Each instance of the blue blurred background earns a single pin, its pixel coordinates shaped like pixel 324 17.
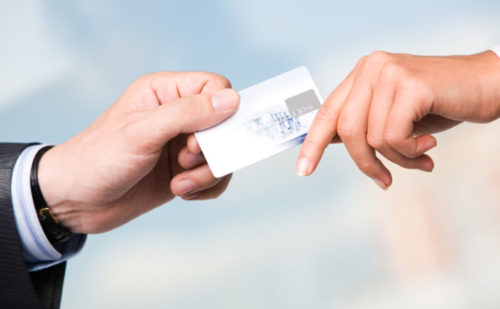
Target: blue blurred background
pixel 273 240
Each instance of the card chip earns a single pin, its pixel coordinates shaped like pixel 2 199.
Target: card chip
pixel 303 103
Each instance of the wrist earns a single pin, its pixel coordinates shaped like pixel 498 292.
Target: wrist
pixel 52 179
pixel 488 76
pixel 496 81
pixel 56 233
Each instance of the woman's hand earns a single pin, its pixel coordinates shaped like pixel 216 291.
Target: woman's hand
pixel 391 104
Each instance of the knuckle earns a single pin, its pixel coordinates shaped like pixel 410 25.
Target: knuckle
pixel 218 80
pixel 392 138
pixel 412 84
pixel 325 113
pixel 362 61
pixel 366 166
pixel 347 129
pixel 392 71
pixel 379 57
pixel 374 141
pixel 312 144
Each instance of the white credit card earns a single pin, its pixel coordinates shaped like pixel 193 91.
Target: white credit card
pixel 273 116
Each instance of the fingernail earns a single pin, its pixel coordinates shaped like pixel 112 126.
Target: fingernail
pixel 381 184
pixel 186 186
pixel 428 165
pixel 192 196
pixel 302 166
pixel 193 159
pixel 225 99
pixel 428 144
pixel 431 143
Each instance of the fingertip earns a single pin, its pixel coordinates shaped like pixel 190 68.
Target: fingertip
pixel 188 160
pixel 191 197
pixel 303 166
pixel 381 184
pixel 192 144
pixel 183 187
pixel 425 143
pixel 213 190
pixel 225 100
pixel 307 162
pixel 427 164
pixel 384 181
pixel 309 156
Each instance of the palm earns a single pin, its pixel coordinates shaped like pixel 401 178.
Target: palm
pixel 155 185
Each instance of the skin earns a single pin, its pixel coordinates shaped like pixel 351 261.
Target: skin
pixel 134 157
pixel 392 104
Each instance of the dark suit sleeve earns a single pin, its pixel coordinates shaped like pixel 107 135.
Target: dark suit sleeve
pixel 18 288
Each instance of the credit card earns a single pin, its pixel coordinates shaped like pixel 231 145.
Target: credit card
pixel 273 116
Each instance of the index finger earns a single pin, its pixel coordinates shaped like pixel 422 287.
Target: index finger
pixel 323 129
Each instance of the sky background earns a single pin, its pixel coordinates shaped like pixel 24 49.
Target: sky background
pixel 273 240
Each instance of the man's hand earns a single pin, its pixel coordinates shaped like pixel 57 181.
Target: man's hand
pixel 392 103
pixel 134 157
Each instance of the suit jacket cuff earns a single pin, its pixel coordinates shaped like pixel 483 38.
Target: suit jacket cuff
pixel 37 250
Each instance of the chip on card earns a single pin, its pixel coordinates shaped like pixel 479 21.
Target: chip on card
pixel 273 116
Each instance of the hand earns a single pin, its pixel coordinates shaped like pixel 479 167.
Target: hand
pixel 392 103
pixel 134 157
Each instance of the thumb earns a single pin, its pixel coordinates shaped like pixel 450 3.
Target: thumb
pixel 188 114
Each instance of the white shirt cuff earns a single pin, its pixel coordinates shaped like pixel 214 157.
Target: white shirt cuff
pixel 496 50
pixel 36 246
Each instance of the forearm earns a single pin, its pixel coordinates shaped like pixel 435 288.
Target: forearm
pixel 391 104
